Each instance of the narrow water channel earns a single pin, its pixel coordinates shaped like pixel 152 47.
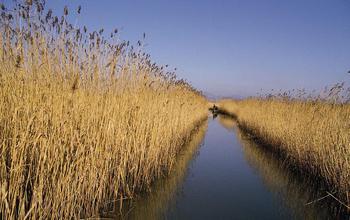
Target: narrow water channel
pixel 222 174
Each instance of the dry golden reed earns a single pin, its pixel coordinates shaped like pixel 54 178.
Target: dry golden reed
pixel 299 193
pixel 84 118
pixel 312 134
pixel 156 204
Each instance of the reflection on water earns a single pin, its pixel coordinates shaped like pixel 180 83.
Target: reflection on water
pixel 295 191
pixel 155 203
pixel 230 177
pixel 221 184
pixel 227 122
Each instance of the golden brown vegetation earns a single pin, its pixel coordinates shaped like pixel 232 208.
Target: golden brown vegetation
pixel 312 134
pixel 295 191
pixel 155 205
pixel 84 119
pixel 299 193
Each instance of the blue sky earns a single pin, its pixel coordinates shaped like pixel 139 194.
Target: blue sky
pixel 234 48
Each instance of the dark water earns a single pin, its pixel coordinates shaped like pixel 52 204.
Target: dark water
pixel 223 175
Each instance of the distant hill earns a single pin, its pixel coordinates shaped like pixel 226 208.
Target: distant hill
pixel 212 96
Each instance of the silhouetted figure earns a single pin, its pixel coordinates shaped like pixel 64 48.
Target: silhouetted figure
pixel 214 110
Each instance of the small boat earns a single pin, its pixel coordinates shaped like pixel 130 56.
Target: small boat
pixel 214 109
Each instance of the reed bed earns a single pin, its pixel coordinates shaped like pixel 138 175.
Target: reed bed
pixel 299 193
pixel 293 190
pixel 312 134
pixel 84 118
pixel 155 205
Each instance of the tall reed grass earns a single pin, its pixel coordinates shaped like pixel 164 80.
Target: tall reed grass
pixel 156 204
pixel 293 190
pixel 84 118
pixel 302 194
pixel 312 133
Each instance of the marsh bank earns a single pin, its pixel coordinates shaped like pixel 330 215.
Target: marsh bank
pixel 222 174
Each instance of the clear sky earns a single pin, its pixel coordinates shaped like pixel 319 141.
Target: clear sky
pixel 234 48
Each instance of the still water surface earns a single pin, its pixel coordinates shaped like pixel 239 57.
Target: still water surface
pixel 222 174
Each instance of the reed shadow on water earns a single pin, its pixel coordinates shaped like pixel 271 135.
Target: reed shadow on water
pixel 155 203
pixel 226 177
pixel 301 193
